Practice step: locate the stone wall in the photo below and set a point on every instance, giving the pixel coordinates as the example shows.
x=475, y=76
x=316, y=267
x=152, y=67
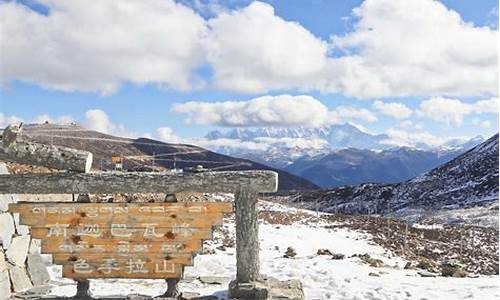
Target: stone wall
x=21, y=264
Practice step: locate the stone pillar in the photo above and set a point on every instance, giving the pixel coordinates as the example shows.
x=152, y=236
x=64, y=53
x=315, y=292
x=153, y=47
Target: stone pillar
x=247, y=236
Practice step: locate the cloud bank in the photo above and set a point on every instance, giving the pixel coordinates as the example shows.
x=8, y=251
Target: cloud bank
x=396, y=49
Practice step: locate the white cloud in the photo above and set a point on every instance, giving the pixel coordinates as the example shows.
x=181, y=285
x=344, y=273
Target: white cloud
x=345, y=113
x=394, y=109
x=413, y=47
x=267, y=111
x=166, y=134
x=98, y=120
x=398, y=137
x=253, y=50
x=453, y=111
x=283, y=110
x=7, y=120
x=405, y=123
x=82, y=47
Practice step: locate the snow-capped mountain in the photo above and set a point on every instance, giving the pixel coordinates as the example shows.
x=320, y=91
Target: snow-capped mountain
x=468, y=183
x=336, y=136
x=335, y=155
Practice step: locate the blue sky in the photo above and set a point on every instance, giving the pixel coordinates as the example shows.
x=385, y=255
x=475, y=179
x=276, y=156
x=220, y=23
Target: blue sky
x=58, y=67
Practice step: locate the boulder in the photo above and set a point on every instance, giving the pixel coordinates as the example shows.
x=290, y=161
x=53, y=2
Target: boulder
x=18, y=250
x=338, y=256
x=7, y=229
x=20, y=229
x=37, y=270
x=20, y=280
x=268, y=288
x=4, y=277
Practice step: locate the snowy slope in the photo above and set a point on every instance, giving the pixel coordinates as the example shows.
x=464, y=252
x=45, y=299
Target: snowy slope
x=323, y=277
x=466, y=182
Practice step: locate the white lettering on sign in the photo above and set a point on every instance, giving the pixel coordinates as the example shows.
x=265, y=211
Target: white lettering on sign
x=166, y=267
x=81, y=266
x=149, y=231
x=92, y=230
x=120, y=230
x=57, y=229
x=109, y=265
x=136, y=266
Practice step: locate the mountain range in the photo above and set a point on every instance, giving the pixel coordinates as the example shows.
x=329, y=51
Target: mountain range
x=464, y=189
x=337, y=155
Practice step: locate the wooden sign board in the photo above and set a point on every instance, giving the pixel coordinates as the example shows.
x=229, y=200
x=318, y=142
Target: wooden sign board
x=122, y=240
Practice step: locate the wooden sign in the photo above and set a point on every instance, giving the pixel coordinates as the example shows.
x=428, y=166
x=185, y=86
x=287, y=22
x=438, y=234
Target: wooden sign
x=122, y=240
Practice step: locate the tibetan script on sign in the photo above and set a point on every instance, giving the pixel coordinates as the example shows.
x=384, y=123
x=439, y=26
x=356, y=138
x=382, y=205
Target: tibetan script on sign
x=122, y=240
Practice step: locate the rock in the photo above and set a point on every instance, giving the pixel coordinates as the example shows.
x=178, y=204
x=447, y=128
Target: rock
x=37, y=270
x=34, y=293
x=373, y=262
x=276, y=248
x=213, y=279
x=408, y=266
x=20, y=229
x=4, y=284
x=5, y=199
x=7, y=229
x=451, y=267
x=207, y=252
x=373, y=274
x=324, y=252
x=286, y=290
x=35, y=246
x=269, y=288
x=18, y=249
x=248, y=290
x=290, y=253
x=426, y=274
x=20, y=279
x=4, y=277
x=338, y=256
x=221, y=248
x=190, y=295
x=460, y=274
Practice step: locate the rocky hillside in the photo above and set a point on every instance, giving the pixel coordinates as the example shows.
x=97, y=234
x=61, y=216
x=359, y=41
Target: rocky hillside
x=463, y=190
x=138, y=153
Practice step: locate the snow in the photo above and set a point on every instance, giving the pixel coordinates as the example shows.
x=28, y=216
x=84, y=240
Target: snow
x=322, y=277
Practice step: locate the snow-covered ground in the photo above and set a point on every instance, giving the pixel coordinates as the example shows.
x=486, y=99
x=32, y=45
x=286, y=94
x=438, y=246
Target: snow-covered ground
x=322, y=277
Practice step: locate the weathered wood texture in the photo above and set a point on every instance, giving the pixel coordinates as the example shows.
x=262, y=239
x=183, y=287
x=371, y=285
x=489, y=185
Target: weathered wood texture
x=122, y=240
x=141, y=247
x=247, y=236
x=96, y=259
x=114, y=182
x=50, y=156
x=164, y=234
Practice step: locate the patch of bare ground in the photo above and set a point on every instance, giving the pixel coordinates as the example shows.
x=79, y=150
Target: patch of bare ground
x=475, y=248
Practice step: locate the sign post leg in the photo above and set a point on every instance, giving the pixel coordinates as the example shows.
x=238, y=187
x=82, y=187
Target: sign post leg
x=247, y=236
x=172, y=288
x=82, y=289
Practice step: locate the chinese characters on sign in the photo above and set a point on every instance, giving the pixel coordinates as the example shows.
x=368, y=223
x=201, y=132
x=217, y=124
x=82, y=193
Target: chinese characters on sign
x=122, y=240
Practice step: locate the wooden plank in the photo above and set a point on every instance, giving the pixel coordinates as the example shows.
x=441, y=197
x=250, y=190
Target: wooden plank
x=134, y=268
x=138, y=182
x=130, y=221
x=186, y=246
x=185, y=259
x=30, y=209
x=162, y=234
x=51, y=156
